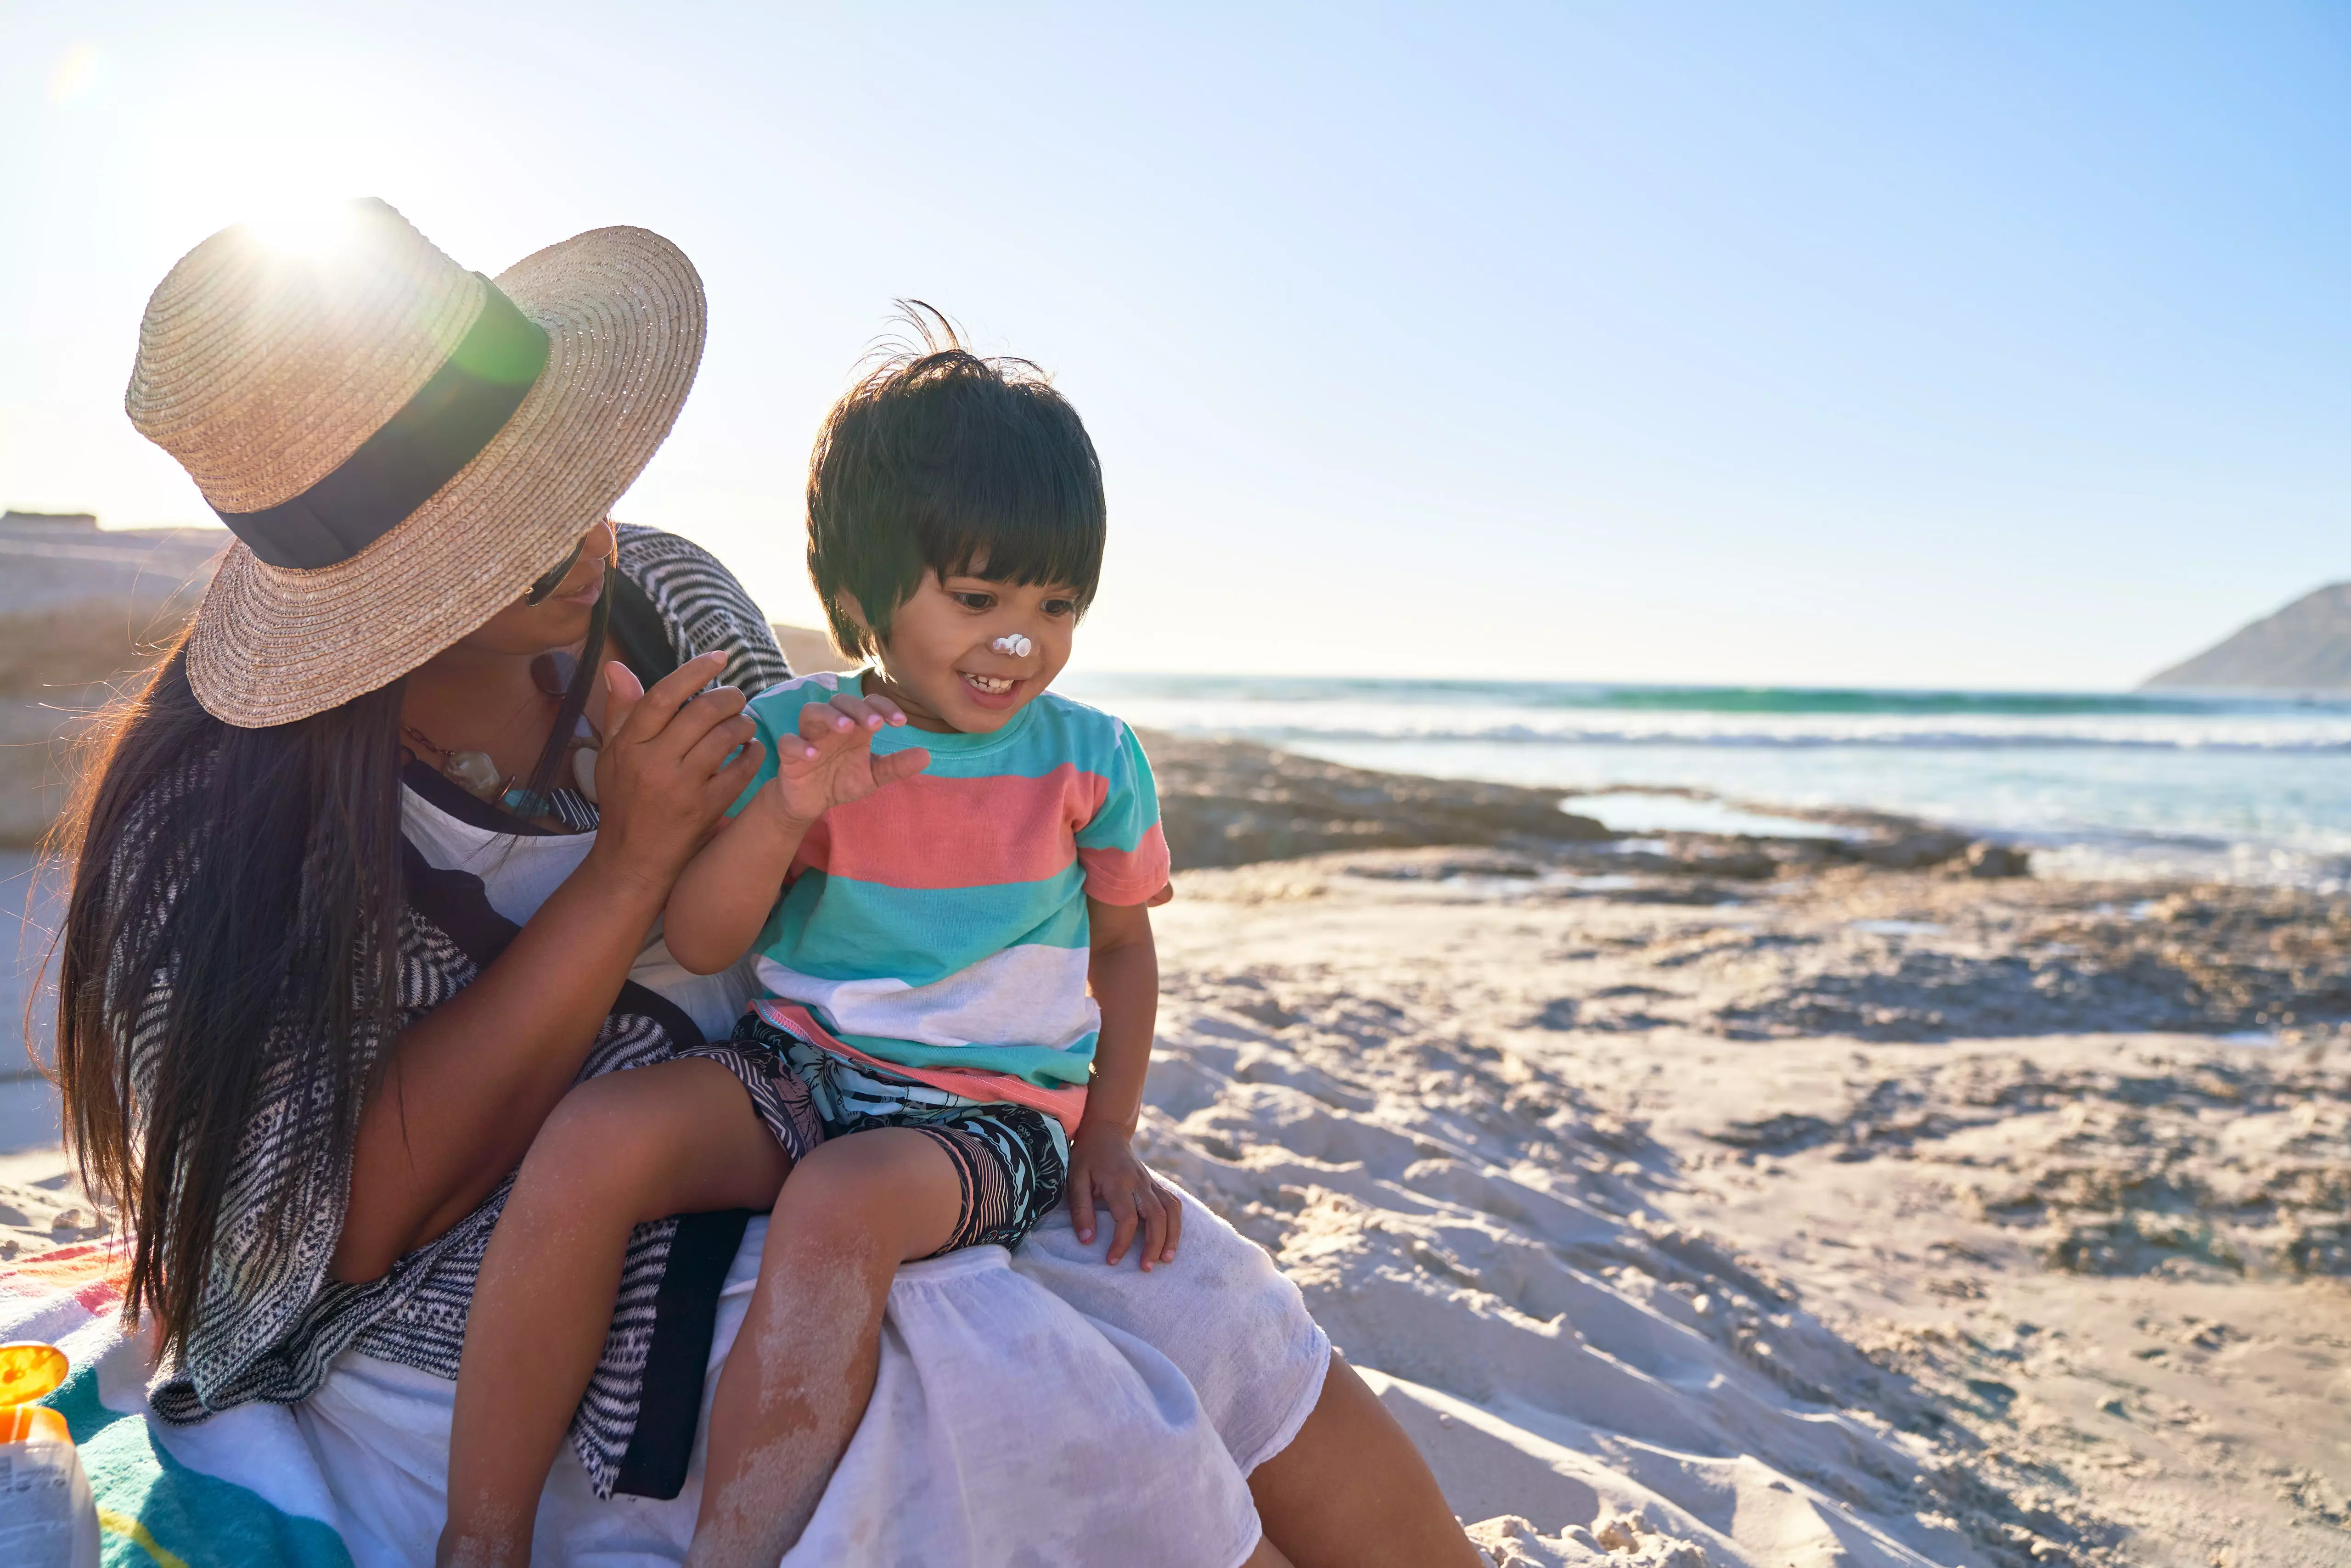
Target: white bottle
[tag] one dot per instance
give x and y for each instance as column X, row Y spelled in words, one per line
column 47, row 1517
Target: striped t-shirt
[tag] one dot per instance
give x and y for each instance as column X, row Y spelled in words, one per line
column 938, row 926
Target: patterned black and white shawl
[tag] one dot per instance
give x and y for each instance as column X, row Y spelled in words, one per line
column 271, row 1320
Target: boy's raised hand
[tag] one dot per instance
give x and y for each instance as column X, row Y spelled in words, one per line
column 833, row 762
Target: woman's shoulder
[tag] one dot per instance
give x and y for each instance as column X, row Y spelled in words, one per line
column 701, row 606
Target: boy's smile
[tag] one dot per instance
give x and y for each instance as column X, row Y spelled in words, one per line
column 940, row 663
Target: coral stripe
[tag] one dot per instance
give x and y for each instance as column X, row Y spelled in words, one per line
column 932, row 831
column 1127, row 876
column 92, row 1272
column 1066, row 1106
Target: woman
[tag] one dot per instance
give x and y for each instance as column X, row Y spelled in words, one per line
column 364, row 882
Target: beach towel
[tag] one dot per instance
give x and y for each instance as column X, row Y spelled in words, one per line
column 242, row 1488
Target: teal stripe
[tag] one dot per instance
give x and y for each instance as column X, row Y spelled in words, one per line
column 1041, row 1065
column 842, row 928
column 206, row 1522
column 1050, row 732
column 1130, row 805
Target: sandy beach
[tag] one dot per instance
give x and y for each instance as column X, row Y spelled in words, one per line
column 1783, row 1202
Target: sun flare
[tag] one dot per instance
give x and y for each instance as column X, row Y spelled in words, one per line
column 303, row 227
column 73, row 73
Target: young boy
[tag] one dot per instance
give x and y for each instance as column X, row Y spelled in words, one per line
column 959, row 981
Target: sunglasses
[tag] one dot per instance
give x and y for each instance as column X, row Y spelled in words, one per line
column 552, row 578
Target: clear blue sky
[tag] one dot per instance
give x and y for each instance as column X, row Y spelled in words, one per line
column 1960, row 344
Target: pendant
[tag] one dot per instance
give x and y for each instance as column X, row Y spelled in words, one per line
column 584, row 772
column 552, row 673
column 475, row 772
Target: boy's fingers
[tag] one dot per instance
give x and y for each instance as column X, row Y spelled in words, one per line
column 1152, row 1215
column 1124, row 1214
column 822, row 732
column 651, row 715
column 900, row 765
column 858, row 710
column 822, row 721
column 1175, row 1208
column 891, row 712
column 1082, row 1207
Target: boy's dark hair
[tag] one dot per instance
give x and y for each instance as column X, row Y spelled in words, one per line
column 940, row 459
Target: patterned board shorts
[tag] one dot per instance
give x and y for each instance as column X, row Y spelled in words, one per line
column 1012, row 1162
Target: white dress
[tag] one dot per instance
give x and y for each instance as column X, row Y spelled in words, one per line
column 1042, row 1409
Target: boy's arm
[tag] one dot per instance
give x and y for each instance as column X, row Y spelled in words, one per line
column 1123, row 974
column 720, row 902
column 722, row 898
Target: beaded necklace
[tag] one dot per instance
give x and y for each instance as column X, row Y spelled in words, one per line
column 478, row 774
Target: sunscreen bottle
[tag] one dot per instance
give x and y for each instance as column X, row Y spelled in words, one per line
column 48, row 1518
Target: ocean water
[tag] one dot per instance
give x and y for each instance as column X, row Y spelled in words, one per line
column 2232, row 788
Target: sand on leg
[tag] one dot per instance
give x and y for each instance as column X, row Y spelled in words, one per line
column 620, row 1150
column 802, row 1372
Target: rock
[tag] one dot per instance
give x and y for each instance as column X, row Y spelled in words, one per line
column 1233, row 802
column 1739, row 865
column 1913, row 850
column 1990, row 860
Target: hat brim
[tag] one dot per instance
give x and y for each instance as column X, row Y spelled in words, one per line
column 625, row 317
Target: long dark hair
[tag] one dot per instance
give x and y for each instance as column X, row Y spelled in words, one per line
column 232, row 929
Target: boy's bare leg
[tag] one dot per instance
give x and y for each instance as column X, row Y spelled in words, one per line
column 797, row 1382
column 677, row 1138
column 1350, row 1491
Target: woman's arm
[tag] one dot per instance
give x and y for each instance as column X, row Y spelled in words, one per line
column 467, row 1086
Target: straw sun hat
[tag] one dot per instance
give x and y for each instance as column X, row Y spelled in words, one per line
column 400, row 446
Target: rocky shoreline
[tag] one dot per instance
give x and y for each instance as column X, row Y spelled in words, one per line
column 1234, row 802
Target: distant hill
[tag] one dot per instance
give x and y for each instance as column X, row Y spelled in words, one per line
column 2304, row 647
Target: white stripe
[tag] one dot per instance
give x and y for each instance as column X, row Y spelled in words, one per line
column 1025, row 995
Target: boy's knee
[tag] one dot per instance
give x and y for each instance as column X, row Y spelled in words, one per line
column 592, row 1140
column 861, row 1185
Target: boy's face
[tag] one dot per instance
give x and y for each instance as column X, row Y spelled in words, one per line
column 942, row 660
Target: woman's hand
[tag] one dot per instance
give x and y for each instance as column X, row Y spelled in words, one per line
column 673, row 759
column 1104, row 1166
column 833, row 762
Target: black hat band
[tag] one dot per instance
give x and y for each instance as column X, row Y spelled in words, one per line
column 423, row 447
